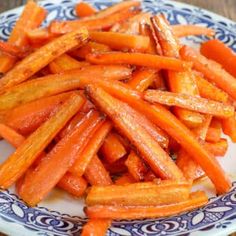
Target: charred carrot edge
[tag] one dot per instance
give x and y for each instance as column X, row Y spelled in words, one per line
column 218, row 148
column 40, row 58
column 214, row 131
column 202, row 105
column 96, row 227
column 83, row 9
column 124, row 179
column 197, row 199
column 229, row 127
column 96, row 174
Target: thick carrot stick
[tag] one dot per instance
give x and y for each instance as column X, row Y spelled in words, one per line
column 197, row 199
column 138, row 59
column 122, row 115
column 218, row 148
column 124, row 179
column 121, row 41
column 218, row 51
column 25, row 155
column 188, row 30
column 13, row 50
column 202, row 105
column 169, row 123
column 41, row 57
column 73, row 184
column 229, row 127
column 83, row 9
column 214, row 131
column 96, row 227
column 211, row 70
column 96, row 174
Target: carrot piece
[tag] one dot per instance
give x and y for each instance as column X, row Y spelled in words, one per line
column 25, row 155
column 122, row 115
column 165, row 192
column 96, row 174
column 218, row 51
column 116, row 168
column 31, row 17
column 135, row 166
column 40, row 58
column 210, row 91
column 73, row 184
column 169, row 123
column 121, row 41
column 138, row 59
column 83, row 9
column 202, row 105
column 187, row 30
column 13, row 50
column 159, row 82
column 28, row 117
column 91, row 149
column 150, row 176
column 229, row 127
column 214, row 131
column 90, row 47
column 96, row 227
column 211, row 70
column 217, row 148
column 124, row 179
column 197, row 199
column 63, row 155
column 112, row 149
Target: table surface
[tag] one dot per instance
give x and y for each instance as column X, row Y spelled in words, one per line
column 225, row 8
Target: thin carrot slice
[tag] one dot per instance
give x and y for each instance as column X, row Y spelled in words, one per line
column 96, row 227
column 25, row 155
column 214, row 131
column 202, row 105
column 124, row 179
column 229, row 127
column 83, row 9
column 40, row 58
column 218, row 148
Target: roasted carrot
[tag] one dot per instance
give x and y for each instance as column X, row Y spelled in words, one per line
column 96, row 227
column 211, row 70
column 138, row 59
column 116, row 168
column 25, row 155
column 122, row 115
column 124, row 179
column 214, row 131
column 83, row 9
column 194, row 103
column 218, row 51
column 229, row 127
column 13, row 50
column 217, row 148
column 197, row 199
column 40, row 58
column 159, row 82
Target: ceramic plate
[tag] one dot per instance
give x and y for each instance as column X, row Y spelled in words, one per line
column 61, row 214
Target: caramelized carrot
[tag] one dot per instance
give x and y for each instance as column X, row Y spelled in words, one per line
column 214, row 131
column 124, row 179
column 13, row 50
column 96, row 227
column 229, row 127
column 40, row 36
column 83, row 9
column 217, row 148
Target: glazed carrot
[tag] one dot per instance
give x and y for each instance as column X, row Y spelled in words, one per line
column 96, row 227
column 188, row 30
column 150, row 176
column 135, row 166
column 13, row 50
column 124, row 179
column 116, row 168
column 169, row 123
column 141, row 194
column 214, row 131
column 122, row 115
column 211, row 70
column 31, row 17
column 138, row 59
column 62, row 156
column 96, row 174
column 83, row 9
column 194, row 103
column 197, row 199
column 218, row 51
column 73, row 184
column 217, row 148
column 28, row 117
column 229, row 127
column 159, row 82
column 121, row 41
column 112, row 149
column 91, row 149
column 40, row 58
column 25, row 155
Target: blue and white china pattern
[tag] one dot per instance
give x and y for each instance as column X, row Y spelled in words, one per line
column 218, row 215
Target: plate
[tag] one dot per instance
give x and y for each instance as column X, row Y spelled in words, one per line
column 60, row 214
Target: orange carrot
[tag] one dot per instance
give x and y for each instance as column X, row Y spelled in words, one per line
column 197, row 199
column 159, row 82
column 83, row 9
column 218, row 51
column 116, row 168
column 229, row 127
column 96, row 227
column 13, row 50
column 124, row 179
column 25, row 155
column 214, row 131
column 217, row 148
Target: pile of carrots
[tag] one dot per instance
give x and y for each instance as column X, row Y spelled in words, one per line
column 100, row 105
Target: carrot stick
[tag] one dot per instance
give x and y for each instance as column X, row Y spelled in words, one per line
column 197, row 199
column 124, row 179
column 217, row 148
column 96, row 227
column 122, row 115
column 194, row 103
column 83, row 9
column 40, row 58
column 73, row 184
column 169, row 123
column 188, row 30
column 28, row 117
column 121, row 41
column 211, row 70
column 25, row 155
column 214, row 131
column 218, row 51
column 116, row 168
column 138, row 59
column 229, row 127
column 141, row 194
column 13, row 50
column 96, row 174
